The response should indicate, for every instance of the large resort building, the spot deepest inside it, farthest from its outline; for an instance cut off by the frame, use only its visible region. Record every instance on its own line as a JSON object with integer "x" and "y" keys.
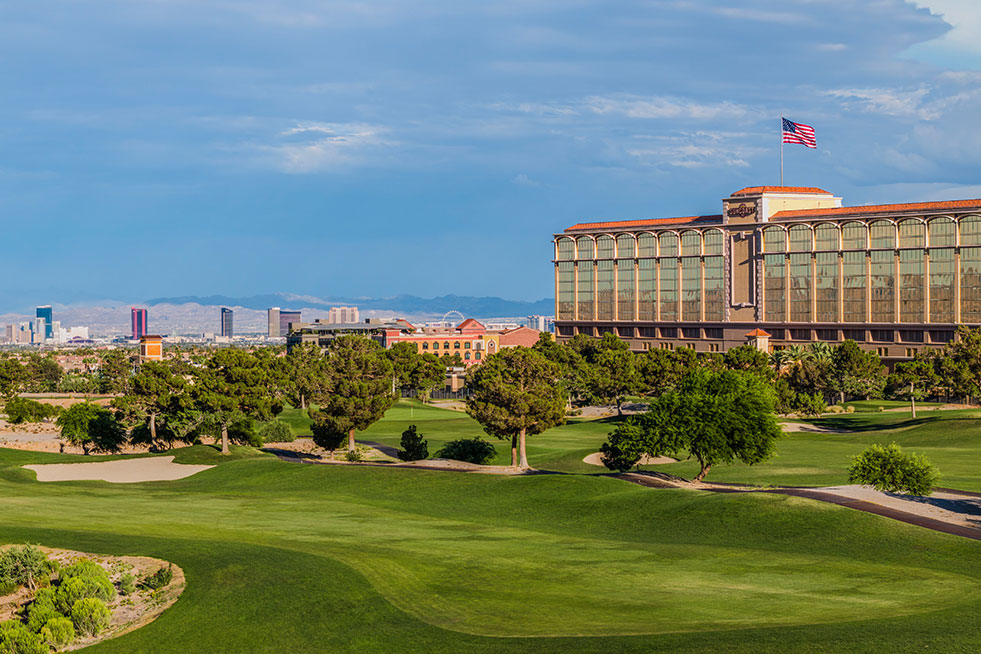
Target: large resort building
{"x": 780, "y": 266}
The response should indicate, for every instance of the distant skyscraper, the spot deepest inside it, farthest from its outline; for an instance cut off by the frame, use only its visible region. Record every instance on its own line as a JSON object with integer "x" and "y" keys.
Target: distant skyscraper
{"x": 47, "y": 314}
{"x": 139, "y": 323}
{"x": 279, "y": 321}
{"x": 226, "y": 322}
{"x": 342, "y": 315}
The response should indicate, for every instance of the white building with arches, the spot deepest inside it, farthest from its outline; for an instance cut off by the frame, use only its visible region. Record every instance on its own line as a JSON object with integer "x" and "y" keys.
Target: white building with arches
{"x": 791, "y": 261}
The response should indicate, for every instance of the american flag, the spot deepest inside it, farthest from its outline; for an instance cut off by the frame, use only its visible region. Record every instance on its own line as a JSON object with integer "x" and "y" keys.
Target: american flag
{"x": 798, "y": 133}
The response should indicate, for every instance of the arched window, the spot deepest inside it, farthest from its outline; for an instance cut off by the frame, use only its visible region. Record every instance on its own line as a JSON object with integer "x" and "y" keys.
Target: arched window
{"x": 466, "y": 356}
{"x": 435, "y": 346}
{"x": 604, "y": 247}
{"x": 882, "y": 235}
{"x": 912, "y": 234}
{"x": 477, "y": 356}
{"x": 854, "y": 236}
{"x": 466, "y": 345}
{"x": 826, "y": 237}
{"x": 713, "y": 242}
{"x": 647, "y": 244}
{"x": 691, "y": 243}
{"x": 585, "y": 246}
{"x": 943, "y": 233}
{"x": 446, "y": 345}
{"x": 566, "y": 249}
{"x": 800, "y": 238}
{"x": 425, "y": 346}
{"x": 478, "y": 345}
{"x": 774, "y": 239}
{"x": 626, "y": 246}
{"x": 456, "y": 345}
{"x": 667, "y": 243}
{"x": 971, "y": 230}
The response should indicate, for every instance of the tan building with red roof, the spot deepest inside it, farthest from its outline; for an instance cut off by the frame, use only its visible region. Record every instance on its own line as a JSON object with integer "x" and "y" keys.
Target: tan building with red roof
{"x": 791, "y": 262}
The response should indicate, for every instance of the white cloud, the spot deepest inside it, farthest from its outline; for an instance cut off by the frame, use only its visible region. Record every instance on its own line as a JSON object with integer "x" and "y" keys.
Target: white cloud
{"x": 662, "y": 107}
{"x": 523, "y": 180}
{"x": 329, "y": 146}
{"x": 760, "y": 15}
{"x": 890, "y": 102}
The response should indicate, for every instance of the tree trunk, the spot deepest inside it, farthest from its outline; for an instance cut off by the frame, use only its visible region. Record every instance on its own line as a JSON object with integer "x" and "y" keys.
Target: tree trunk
{"x": 303, "y": 401}
{"x": 619, "y": 409}
{"x": 523, "y": 453}
{"x": 153, "y": 428}
{"x": 912, "y": 400}
{"x": 350, "y": 441}
{"x": 514, "y": 451}
{"x": 224, "y": 438}
{"x": 701, "y": 473}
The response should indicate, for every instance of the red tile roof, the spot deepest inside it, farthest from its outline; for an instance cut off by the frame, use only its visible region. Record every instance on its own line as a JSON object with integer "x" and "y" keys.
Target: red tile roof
{"x": 880, "y": 208}
{"x": 652, "y": 222}
{"x": 758, "y": 332}
{"x": 756, "y": 190}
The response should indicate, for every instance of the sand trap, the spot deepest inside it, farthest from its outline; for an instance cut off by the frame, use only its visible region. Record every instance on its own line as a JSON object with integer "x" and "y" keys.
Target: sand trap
{"x": 123, "y": 471}
{"x": 595, "y": 459}
{"x": 815, "y": 429}
{"x": 951, "y": 507}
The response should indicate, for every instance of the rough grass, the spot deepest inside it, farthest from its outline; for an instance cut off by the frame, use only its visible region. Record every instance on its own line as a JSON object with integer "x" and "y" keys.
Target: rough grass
{"x": 291, "y": 557}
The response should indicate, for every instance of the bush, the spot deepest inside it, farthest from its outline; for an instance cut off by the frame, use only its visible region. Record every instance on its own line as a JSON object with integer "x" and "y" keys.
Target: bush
{"x": 85, "y": 568}
{"x": 471, "y": 450}
{"x": 15, "y": 638}
{"x": 888, "y": 468}
{"x": 24, "y": 566}
{"x": 414, "y": 448}
{"x": 90, "y": 616}
{"x": 834, "y": 408}
{"x": 58, "y": 632}
{"x": 127, "y": 584}
{"x": 21, "y": 409}
{"x": 158, "y": 579}
{"x": 809, "y": 404}
{"x": 326, "y": 433}
{"x": 355, "y": 455}
{"x": 849, "y": 409}
{"x": 39, "y": 613}
{"x": 275, "y": 431}
{"x": 76, "y": 588}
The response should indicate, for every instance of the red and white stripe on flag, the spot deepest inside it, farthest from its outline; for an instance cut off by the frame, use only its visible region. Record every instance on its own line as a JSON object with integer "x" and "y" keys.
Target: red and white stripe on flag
{"x": 798, "y": 133}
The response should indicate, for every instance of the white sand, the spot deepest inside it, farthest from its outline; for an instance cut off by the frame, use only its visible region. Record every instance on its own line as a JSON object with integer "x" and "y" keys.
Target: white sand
{"x": 123, "y": 471}
{"x": 948, "y": 507}
{"x": 596, "y": 459}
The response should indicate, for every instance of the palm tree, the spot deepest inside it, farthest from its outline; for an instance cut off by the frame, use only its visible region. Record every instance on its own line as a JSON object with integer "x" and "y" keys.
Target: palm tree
{"x": 796, "y": 354}
{"x": 779, "y": 360}
{"x": 822, "y": 352}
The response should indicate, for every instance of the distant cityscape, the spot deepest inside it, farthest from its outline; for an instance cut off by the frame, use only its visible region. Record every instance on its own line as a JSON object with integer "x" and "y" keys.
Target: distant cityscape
{"x": 45, "y": 330}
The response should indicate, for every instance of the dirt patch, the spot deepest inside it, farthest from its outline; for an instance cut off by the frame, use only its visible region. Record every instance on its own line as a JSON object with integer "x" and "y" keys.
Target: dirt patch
{"x": 946, "y": 506}
{"x": 129, "y": 612}
{"x": 595, "y": 459}
{"x": 789, "y": 427}
{"x": 123, "y": 471}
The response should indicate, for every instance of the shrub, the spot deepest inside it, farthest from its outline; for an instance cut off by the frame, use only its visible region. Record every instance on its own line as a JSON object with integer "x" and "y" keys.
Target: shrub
{"x": 325, "y": 433}
{"x": 127, "y": 584}
{"x": 834, "y": 408}
{"x": 275, "y": 431}
{"x": 414, "y": 448}
{"x": 6, "y": 586}
{"x": 20, "y": 409}
{"x": 158, "y": 579}
{"x": 888, "y": 468}
{"x": 76, "y": 588}
{"x": 807, "y": 404}
{"x": 85, "y": 569}
{"x": 58, "y": 632}
{"x": 471, "y": 450}
{"x": 15, "y": 638}
{"x": 90, "y": 616}
{"x": 24, "y": 566}
{"x": 355, "y": 455}
{"x": 39, "y": 613}
{"x": 849, "y": 409}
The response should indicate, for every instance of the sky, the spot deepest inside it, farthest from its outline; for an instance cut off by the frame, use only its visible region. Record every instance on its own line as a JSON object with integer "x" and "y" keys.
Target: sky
{"x": 337, "y": 148}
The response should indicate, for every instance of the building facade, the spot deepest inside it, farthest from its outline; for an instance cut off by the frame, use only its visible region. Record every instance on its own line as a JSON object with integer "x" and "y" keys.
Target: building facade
{"x": 45, "y": 329}
{"x": 790, "y": 261}
{"x": 227, "y": 326}
{"x": 343, "y": 315}
{"x": 471, "y": 340}
{"x": 151, "y": 348}
{"x": 139, "y": 323}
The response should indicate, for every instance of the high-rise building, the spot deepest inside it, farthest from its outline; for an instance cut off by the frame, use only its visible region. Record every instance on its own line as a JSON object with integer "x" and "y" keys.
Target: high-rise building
{"x": 138, "y": 317}
{"x": 279, "y": 321}
{"x": 151, "y": 348}
{"x": 226, "y": 322}
{"x": 47, "y": 314}
{"x": 787, "y": 265}
{"x": 343, "y": 315}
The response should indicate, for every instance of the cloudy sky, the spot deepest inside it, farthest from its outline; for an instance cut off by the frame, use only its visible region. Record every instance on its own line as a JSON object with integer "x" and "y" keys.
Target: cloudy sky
{"x": 173, "y": 147}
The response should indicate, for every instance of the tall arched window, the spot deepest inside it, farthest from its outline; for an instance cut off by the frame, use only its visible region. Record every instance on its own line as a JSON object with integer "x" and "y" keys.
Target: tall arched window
{"x": 691, "y": 243}
{"x": 585, "y": 246}
{"x": 566, "y": 249}
{"x": 971, "y": 230}
{"x": 854, "y": 236}
{"x": 604, "y": 247}
{"x": 882, "y": 234}
{"x": 912, "y": 234}
{"x": 774, "y": 239}
{"x": 626, "y": 246}
{"x": 943, "y": 233}
{"x": 713, "y": 242}
{"x": 648, "y": 245}
{"x": 800, "y": 238}
{"x": 668, "y": 244}
{"x": 826, "y": 237}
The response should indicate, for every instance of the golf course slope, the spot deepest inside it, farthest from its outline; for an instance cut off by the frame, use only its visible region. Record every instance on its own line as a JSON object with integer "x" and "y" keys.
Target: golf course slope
{"x": 289, "y": 557}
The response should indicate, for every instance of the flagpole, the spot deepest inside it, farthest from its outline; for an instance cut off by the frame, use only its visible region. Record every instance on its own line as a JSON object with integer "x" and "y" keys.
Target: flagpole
{"x": 781, "y": 150}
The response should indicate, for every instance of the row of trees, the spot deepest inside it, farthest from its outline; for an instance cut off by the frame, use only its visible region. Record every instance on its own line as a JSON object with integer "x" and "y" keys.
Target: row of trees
{"x": 106, "y": 372}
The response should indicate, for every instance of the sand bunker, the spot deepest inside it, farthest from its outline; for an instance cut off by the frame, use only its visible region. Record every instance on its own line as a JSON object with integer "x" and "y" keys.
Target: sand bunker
{"x": 595, "y": 459}
{"x": 123, "y": 471}
{"x": 947, "y": 506}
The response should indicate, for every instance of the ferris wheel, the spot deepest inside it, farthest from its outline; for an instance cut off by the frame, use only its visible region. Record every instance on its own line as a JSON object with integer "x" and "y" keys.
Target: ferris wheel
{"x": 446, "y": 317}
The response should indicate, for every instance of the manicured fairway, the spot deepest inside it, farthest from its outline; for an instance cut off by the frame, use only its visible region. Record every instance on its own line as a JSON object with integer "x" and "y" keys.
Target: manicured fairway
{"x": 290, "y": 557}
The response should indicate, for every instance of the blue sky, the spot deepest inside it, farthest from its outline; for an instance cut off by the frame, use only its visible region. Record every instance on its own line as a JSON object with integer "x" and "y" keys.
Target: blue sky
{"x": 173, "y": 147}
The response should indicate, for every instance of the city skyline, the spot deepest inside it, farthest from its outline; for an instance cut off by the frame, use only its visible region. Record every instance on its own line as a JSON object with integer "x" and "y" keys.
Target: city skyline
{"x": 554, "y": 113}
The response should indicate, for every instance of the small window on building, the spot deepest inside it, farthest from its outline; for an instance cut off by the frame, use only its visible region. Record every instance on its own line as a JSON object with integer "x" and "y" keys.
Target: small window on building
{"x": 714, "y": 347}
{"x": 446, "y": 345}
{"x": 669, "y": 332}
{"x": 713, "y": 332}
{"x": 911, "y": 352}
{"x": 648, "y": 332}
{"x": 456, "y": 345}
{"x": 857, "y": 335}
{"x": 435, "y": 346}
{"x": 827, "y": 334}
{"x": 477, "y": 356}
{"x": 691, "y": 332}
{"x": 466, "y": 345}
{"x": 911, "y": 336}
{"x": 425, "y": 346}
{"x": 800, "y": 334}
{"x": 625, "y": 332}
{"x": 604, "y": 330}
{"x": 941, "y": 336}
{"x": 564, "y": 330}
{"x": 466, "y": 356}
{"x": 882, "y": 351}
{"x": 883, "y": 335}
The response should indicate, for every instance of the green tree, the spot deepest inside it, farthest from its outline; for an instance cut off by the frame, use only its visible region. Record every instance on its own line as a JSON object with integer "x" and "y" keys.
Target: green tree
{"x": 414, "y": 447}
{"x": 74, "y": 422}
{"x": 115, "y": 369}
{"x": 613, "y": 376}
{"x": 105, "y": 432}
{"x": 855, "y": 372}
{"x": 748, "y": 358}
{"x": 514, "y": 393}
{"x": 887, "y": 468}
{"x": 914, "y": 379}
{"x": 154, "y": 393}
{"x": 573, "y": 368}
{"x": 43, "y": 373}
{"x": 662, "y": 370}
{"x": 965, "y": 356}
{"x": 428, "y": 375}
{"x": 713, "y": 417}
{"x": 234, "y": 385}
{"x": 13, "y": 375}
{"x": 360, "y": 390}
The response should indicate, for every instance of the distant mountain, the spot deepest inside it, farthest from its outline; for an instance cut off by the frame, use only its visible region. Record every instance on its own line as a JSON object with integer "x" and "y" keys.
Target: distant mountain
{"x": 477, "y": 307}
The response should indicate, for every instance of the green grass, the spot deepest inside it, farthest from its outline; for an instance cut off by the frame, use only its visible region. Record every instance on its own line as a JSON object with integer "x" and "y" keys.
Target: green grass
{"x": 875, "y": 405}
{"x": 289, "y": 557}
